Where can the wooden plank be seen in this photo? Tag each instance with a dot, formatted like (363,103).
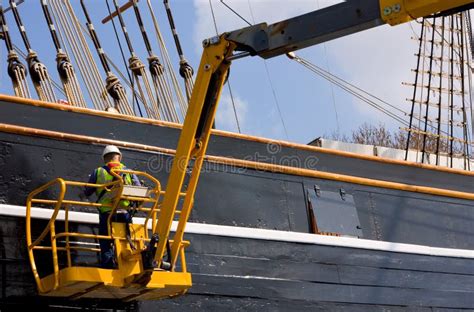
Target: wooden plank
(326,254)
(320,292)
(267,268)
(405,279)
(327,273)
(198,303)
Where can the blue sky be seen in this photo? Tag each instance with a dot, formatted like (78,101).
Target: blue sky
(377,60)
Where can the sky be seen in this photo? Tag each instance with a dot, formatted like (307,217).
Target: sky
(275,98)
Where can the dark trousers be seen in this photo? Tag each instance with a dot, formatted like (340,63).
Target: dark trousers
(107,254)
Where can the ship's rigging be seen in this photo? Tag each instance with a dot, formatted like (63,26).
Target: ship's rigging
(163,98)
(443,81)
(448,143)
(38,71)
(441,106)
(155,88)
(64,66)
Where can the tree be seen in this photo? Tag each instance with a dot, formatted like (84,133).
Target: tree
(379,135)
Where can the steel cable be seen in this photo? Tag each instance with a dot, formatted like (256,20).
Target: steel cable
(64,66)
(228,79)
(69,31)
(16,70)
(170,78)
(112,83)
(360,93)
(38,71)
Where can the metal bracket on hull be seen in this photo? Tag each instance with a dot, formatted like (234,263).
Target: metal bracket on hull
(332,213)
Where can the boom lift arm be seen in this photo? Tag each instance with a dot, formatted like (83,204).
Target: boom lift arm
(266,41)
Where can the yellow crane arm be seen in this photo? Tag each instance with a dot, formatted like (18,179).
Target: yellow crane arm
(395,12)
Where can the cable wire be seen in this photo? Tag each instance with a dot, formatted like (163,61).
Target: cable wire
(228,80)
(331,85)
(235,12)
(277,104)
(135,99)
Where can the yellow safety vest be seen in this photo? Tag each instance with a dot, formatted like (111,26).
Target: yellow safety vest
(105,198)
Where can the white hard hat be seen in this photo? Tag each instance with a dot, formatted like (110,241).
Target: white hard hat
(112,109)
(111,149)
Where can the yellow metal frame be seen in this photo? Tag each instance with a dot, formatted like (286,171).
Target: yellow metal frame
(193,142)
(124,282)
(396,12)
(127,282)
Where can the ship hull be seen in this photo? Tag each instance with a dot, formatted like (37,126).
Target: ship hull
(271,270)
(258,272)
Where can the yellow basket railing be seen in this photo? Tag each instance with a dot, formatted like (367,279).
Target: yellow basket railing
(149,205)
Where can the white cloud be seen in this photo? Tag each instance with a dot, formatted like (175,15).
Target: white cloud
(268,11)
(225,117)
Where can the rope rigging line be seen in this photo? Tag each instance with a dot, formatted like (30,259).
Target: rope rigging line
(64,66)
(38,71)
(450,143)
(228,79)
(422,92)
(440,97)
(168,78)
(470,56)
(127,66)
(73,38)
(113,85)
(428,93)
(331,85)
(277,103)
(236,13)
(440,31)
(24,55)
(365,96)
(84,30)
(164,100)
(470,35)
(461,38)
(185,70)
(352,89)
(348,89)
(16,70)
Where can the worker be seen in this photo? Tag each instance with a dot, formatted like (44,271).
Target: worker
(112,158)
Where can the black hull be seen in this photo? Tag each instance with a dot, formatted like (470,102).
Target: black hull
(232,273)
(253,274)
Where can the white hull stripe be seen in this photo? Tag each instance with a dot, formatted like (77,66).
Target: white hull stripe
(260,234)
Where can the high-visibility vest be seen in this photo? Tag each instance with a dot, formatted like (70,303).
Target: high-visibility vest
(105,198)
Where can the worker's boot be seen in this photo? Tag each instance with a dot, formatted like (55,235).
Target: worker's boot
(148,255)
